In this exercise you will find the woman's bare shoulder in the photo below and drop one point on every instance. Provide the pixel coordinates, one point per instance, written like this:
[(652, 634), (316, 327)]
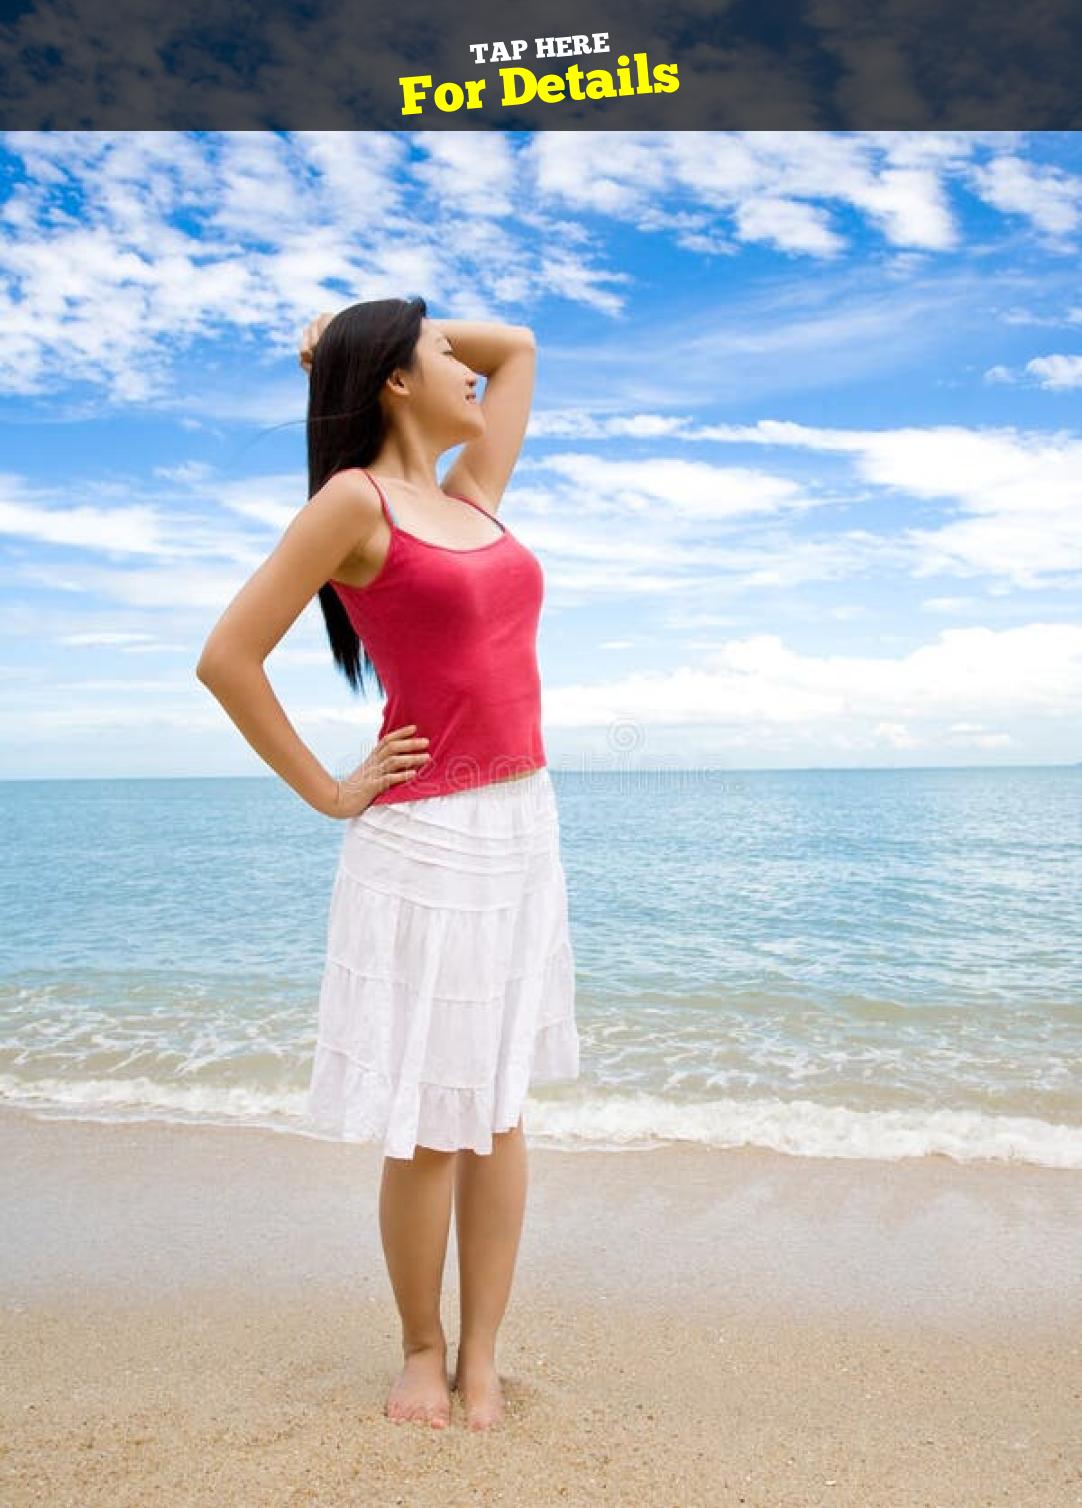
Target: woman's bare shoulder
[(351, 482), (353, 491)]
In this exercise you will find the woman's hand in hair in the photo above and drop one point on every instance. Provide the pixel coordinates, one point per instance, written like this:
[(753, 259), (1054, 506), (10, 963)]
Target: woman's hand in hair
[(310, 338), (397, 757)]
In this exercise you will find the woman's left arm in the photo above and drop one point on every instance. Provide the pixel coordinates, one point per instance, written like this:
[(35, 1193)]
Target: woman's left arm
[(506, 355), (485, 345)]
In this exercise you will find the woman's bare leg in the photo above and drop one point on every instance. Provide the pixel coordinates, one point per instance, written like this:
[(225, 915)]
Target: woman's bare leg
[(490, 1202), (414, 1218)]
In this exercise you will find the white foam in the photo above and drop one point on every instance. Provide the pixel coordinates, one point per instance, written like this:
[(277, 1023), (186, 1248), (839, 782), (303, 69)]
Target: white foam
[(609, 1122)]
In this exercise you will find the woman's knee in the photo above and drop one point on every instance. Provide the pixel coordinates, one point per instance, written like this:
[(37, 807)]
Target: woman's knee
[(433, 1155)]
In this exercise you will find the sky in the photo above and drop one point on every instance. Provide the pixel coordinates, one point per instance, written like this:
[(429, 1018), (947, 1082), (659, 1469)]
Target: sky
[(803, 471)]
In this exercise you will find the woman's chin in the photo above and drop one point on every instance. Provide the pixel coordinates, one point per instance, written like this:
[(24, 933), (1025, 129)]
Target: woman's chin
[(471, 431)]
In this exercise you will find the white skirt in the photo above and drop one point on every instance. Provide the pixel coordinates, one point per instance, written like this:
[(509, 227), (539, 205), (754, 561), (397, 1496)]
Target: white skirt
[(449, 982)]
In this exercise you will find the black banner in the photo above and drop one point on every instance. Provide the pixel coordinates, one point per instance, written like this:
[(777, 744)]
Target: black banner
[(805, 65)]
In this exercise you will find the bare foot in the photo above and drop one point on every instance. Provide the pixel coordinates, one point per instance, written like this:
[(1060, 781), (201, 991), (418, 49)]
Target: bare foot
[(420, 1390), (478, 1385)]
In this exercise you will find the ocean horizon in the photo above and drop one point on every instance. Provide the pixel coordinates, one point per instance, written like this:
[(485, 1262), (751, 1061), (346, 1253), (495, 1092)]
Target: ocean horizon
[(878, 962)]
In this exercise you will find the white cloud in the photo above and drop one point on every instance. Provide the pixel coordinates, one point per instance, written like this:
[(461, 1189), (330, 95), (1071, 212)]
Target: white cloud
[(654, 492), (977, 673), (95, 640), (1020, 493), (473, 170), (1048, 196), (762, 179), (788, 224), (103, 526), (1057, 371)]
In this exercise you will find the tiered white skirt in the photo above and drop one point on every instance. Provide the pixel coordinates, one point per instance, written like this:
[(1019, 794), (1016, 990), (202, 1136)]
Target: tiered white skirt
[(449, 982)]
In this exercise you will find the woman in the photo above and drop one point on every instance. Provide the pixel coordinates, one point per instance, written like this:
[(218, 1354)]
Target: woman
[(448, 986)]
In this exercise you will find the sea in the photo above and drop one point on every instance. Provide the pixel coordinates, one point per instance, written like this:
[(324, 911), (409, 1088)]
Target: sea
[(861, 963)]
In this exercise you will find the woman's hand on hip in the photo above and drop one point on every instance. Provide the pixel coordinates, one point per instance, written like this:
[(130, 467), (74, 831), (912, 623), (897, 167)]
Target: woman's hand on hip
[(395, 759)]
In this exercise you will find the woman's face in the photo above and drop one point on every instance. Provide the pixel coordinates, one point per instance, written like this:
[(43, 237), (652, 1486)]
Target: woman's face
[(448, 393)]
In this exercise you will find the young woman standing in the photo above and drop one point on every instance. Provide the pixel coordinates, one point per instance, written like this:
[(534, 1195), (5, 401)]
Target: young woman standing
[(448, 986)]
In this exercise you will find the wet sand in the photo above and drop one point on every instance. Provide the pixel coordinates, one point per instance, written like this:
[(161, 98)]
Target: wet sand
[(197, 1315)]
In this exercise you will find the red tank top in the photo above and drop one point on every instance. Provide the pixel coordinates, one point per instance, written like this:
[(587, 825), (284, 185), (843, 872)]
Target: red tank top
[(453, 635)]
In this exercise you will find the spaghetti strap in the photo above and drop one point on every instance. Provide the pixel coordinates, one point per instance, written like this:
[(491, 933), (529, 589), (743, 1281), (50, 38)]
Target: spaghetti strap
[(393, 521), (485, 511), (388, 510)]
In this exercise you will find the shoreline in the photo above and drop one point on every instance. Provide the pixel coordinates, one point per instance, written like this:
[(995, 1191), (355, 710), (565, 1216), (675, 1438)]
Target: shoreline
[(202, 1315), (928, 1236)]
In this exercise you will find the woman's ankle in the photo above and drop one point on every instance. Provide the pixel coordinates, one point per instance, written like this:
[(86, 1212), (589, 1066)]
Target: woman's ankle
[(418, 1344), (477, 1349)]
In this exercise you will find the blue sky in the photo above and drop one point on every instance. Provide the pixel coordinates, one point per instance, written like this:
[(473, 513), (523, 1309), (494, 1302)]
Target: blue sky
[(804, 470)]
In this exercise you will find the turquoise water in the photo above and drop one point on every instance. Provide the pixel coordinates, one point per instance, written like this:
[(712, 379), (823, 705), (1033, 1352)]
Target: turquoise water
[(834, 963)]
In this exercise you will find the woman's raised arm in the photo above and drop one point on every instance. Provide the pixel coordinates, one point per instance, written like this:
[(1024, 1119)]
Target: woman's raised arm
[(506, 355)]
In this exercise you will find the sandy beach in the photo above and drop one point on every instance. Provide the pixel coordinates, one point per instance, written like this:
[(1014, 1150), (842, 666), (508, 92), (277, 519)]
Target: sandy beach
[(195, 1315)]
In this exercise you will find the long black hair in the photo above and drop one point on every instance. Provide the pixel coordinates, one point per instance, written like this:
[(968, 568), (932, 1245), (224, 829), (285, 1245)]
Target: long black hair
[(358, 350)]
